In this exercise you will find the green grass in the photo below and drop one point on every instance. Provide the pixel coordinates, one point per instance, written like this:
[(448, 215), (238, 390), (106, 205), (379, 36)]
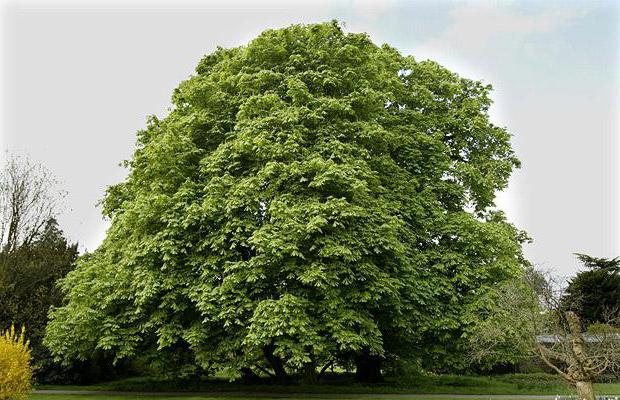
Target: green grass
[(100, 397), (444, 384)]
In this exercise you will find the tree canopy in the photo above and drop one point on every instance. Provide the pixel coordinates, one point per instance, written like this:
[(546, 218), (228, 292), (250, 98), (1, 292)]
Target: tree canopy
[(310, 197), (594, 294)]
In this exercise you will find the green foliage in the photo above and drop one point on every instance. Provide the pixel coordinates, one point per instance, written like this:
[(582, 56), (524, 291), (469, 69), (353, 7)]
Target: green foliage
[(28, 276), (600, 328), (594, 294), (310, 196), (609, 264), (503, 330)]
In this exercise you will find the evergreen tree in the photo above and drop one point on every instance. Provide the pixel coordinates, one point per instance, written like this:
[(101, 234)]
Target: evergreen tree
[(28, 289), (594, 294)]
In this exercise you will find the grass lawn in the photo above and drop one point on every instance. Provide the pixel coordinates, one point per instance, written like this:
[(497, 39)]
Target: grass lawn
[(96, 396), (511, 384), (106, 397), (101, 397)]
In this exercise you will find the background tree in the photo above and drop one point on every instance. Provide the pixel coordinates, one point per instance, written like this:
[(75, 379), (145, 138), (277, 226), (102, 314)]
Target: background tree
[(501, 331), (579, 357), (28, 200), (547, 330), (28, 287), (312, 198), (594, 294), (34, 252)]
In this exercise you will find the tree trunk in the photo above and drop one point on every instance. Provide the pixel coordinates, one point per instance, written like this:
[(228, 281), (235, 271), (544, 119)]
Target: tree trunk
[(368, 368), (276, 364), (585, 391), (309, 376), (322, 373), (249, 376)]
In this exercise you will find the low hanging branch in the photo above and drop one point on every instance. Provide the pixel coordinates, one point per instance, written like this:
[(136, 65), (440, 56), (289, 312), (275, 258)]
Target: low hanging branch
[(265, 370), (542, 353)]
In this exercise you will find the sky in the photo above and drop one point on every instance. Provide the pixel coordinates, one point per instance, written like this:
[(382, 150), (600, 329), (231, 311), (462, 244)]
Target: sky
[(79, 79)]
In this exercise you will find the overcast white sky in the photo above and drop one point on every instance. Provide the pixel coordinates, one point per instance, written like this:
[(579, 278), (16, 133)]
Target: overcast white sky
[(79, 79)]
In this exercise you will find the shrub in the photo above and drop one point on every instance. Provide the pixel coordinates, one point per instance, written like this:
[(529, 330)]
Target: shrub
[(15, 369)]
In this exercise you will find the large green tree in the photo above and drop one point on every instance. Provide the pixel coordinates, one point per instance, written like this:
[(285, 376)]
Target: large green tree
[(311, 197)]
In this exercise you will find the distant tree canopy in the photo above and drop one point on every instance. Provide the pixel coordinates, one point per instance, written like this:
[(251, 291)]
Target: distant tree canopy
[(34, 252), (311, 198), (28, 277), (594, 294)]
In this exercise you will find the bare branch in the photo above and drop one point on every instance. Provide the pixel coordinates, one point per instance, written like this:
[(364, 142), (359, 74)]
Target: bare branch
[(28, 199), (552, 366)]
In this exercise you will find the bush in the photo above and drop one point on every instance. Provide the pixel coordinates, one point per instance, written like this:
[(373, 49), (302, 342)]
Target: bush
[(15, 369)]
